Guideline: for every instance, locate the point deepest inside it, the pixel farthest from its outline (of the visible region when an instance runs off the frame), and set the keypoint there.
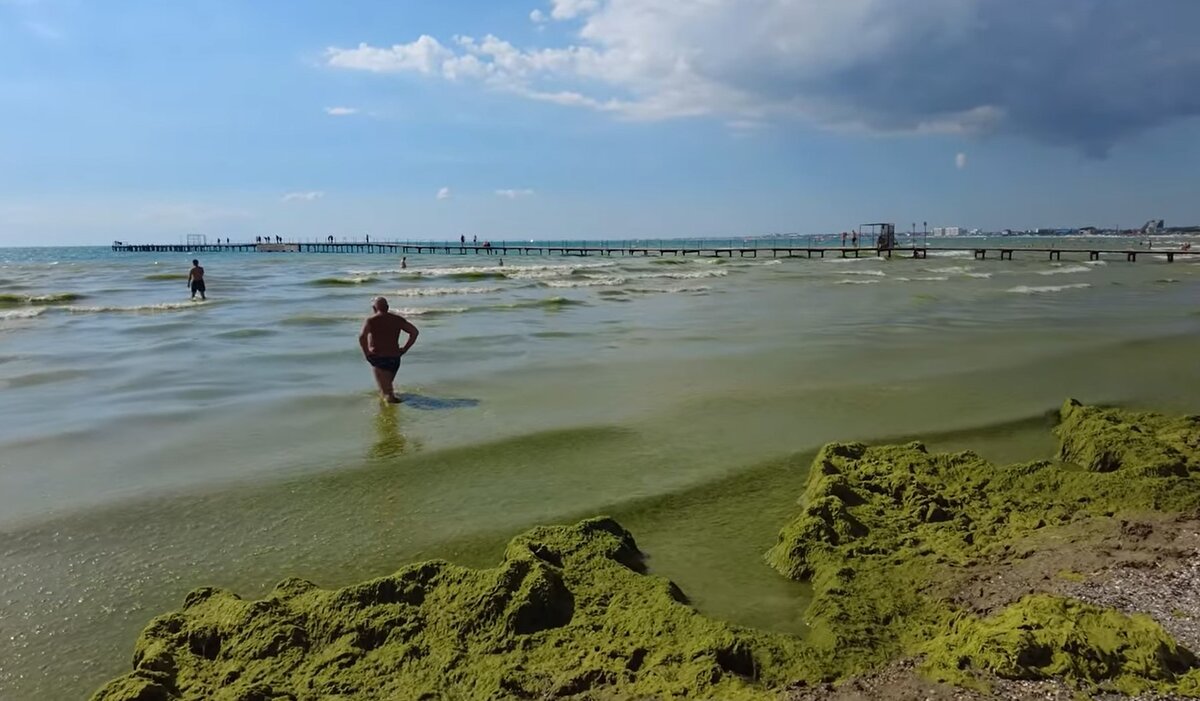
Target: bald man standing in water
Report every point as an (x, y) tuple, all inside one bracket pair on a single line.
[(380, 341)]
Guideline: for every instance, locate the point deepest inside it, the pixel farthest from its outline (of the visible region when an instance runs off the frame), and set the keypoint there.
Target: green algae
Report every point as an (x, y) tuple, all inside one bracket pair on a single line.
[(880, 526), (1042, 637), (569, 611), (1104, 440), (566, 614)]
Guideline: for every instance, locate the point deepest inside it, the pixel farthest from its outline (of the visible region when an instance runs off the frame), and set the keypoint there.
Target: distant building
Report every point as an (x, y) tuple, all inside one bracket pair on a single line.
[(1089, 231), (947, 230)]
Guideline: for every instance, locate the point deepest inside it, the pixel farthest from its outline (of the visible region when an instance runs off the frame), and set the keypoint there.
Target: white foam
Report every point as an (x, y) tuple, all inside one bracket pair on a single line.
[(443, 291), (1066, 270), (416, 311), (979, 276), (951, 270), (1033, 290), (875, 273), (138, 309), (950, 254), (1096, 262), (858, 282), (586, 282), (932, 278), (21, 313)]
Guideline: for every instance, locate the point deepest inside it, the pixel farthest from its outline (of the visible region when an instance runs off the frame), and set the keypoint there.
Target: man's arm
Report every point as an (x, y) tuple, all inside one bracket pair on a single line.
[(364, 338), (407, 327)]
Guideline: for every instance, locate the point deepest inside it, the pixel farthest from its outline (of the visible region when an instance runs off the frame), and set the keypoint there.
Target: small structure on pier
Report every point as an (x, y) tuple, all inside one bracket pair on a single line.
[(884, 234)]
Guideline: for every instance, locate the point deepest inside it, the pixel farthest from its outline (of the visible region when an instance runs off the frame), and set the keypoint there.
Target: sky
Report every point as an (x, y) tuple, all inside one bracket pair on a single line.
[(542, 119)]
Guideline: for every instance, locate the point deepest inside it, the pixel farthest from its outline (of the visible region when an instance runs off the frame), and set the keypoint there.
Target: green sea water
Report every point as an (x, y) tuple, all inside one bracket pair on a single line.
[(149, 445)]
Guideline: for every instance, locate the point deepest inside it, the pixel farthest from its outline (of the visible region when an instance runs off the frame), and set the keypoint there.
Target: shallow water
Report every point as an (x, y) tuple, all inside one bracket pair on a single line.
[(150, 445)]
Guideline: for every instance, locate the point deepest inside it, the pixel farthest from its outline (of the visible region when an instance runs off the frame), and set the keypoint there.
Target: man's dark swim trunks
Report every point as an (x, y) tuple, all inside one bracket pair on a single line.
[(387, 363), (197, 286)]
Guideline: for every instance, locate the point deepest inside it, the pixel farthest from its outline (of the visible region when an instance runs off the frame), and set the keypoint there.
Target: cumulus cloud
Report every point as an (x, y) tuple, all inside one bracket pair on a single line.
[(341, 111), (1086, 73), (514, 194), (960, 160), (303, 196), (444, 193)]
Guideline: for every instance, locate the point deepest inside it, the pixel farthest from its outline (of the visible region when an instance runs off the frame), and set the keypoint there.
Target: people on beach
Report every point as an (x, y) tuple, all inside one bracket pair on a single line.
[(843, 239), (404, 263), (196, 279), (380, 342), (854, 239), (462, 240)]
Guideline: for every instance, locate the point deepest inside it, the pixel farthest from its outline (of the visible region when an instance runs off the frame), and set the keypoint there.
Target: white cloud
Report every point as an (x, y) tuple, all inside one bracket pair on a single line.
[(303, 196), (538, 17), (444, 193), (514, 194), (947, 66), (960, 161), (425, 55), (570, 9), (341, 111)]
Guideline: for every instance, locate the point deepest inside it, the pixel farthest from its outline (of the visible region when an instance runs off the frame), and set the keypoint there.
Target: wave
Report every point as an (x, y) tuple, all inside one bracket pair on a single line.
[(246, 333), (950, 254), (858, 282), (550, 303), (165, 276), (876, 273), (21, 313), (951, 270), (1033, 290), (670, 261), (669, 290), (979, 276), (1066, 270), (439, 311), (1096, 262), (931, 278), (341, 281), (11, 300), (496, 272), (443, 291), (590, 282), (139, 309)]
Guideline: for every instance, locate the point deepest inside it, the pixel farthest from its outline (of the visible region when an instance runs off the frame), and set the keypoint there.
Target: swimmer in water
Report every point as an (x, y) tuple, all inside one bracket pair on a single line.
[(380, 342)]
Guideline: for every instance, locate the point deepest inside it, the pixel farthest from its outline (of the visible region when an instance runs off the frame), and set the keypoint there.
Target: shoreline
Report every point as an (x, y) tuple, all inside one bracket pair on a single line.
[(842, 516)]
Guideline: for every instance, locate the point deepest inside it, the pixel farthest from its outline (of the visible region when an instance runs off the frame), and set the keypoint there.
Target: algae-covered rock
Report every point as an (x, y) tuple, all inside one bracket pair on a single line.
[(1042, 637), (1103, 440), (566, 613), (880, 527)]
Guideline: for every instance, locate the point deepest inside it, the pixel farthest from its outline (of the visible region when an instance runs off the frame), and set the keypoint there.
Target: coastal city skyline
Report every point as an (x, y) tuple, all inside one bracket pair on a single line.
[(582, 119)]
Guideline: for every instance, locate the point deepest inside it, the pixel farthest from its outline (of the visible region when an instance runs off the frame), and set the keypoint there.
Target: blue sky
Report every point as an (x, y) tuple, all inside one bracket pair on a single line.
[(587, 118)]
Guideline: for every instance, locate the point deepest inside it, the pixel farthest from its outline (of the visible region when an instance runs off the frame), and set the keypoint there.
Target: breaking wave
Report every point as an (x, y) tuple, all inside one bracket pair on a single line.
[(1047, 289)]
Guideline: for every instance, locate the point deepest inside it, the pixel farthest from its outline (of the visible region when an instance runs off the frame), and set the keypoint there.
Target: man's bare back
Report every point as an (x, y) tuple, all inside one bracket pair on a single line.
[(380, 342)]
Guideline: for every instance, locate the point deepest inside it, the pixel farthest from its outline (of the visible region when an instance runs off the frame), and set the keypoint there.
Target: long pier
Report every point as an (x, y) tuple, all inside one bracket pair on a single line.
[(691, 248)]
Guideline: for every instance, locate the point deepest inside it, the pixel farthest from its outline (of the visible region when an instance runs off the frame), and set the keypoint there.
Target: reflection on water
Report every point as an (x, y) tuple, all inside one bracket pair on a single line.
[(389, 441)]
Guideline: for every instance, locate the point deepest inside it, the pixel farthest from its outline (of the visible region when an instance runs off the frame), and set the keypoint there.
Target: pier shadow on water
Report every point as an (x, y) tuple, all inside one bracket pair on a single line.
[(424, 403)]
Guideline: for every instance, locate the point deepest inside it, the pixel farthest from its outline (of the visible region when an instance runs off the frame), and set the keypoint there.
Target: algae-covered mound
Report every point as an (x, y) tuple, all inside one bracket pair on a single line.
[(566, 613), (1042, 637), (1103, 440), (880, 527)]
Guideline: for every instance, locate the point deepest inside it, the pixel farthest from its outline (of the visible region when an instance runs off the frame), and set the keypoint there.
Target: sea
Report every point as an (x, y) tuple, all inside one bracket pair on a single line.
[(151, 444)]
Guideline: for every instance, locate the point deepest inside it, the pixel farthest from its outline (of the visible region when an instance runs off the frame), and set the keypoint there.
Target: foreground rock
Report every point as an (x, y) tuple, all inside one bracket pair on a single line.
[(565, 614), (887, 533)]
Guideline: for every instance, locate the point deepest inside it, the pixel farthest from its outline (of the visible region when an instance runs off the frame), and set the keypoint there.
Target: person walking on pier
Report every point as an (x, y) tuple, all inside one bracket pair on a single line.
[(380, 342), (196, 280)]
